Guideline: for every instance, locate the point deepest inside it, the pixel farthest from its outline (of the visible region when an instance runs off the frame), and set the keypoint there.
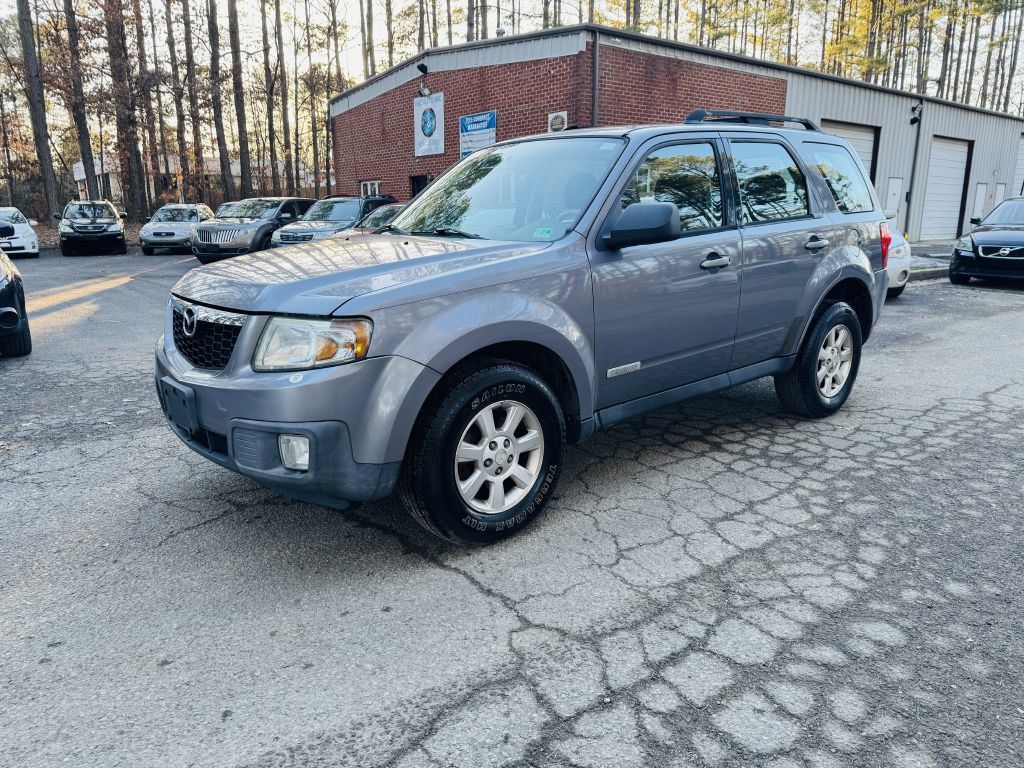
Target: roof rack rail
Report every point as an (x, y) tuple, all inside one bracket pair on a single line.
[(751, 118)]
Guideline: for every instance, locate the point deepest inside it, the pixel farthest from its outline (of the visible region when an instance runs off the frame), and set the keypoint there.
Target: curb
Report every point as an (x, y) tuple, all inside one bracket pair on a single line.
[(928, 273)]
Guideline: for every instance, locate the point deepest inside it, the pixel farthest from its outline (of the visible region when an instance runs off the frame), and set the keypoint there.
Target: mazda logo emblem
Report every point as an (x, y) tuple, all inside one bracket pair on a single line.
[(189, 321)]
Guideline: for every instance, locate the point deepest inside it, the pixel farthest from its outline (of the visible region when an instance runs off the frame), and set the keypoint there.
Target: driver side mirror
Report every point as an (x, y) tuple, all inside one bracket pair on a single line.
[(975, 220), (56, 217), (643, 223), (123, 214)]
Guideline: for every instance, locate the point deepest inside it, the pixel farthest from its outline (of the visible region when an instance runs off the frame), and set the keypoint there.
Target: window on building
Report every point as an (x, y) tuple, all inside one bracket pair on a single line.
[(367, 188), (772, 186), (685, 175), (844, 178)]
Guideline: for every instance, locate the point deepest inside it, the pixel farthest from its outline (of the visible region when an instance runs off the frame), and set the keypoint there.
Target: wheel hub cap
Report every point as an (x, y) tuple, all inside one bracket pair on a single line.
[(835, 360), (499, 457)]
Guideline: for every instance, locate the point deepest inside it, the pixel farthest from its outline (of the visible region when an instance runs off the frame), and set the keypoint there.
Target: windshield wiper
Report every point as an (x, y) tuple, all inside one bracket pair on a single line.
[(390, 228), (447, 232)]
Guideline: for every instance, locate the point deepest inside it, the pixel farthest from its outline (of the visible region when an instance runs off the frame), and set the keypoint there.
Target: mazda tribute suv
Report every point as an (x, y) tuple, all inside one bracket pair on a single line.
[(541, 289)]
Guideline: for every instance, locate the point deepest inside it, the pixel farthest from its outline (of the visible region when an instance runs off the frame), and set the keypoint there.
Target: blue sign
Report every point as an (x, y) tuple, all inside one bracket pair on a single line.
[(477, 131)]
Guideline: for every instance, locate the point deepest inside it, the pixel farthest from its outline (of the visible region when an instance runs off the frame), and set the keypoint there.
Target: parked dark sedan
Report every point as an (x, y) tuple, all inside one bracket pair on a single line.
[(15, 339), (994, 248)]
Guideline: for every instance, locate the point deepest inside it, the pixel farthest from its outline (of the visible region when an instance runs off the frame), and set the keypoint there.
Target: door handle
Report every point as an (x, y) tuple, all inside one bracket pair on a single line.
[(816, 243), (714, 261)]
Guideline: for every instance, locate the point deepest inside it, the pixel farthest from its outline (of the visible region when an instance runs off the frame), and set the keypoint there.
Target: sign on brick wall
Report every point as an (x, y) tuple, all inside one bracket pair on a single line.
[(477, 131), (428, 127)]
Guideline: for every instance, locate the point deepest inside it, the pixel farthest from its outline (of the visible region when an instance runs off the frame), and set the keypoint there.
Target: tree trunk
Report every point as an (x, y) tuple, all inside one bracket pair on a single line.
[(132, 176), (178, 92), (268, 84), (389, 28), (245, 168), (8, 164), (227, 180), (199, 179), (448, 12), (421, 7), (145, 89), (295, 95), (77, 102), (1014, 58), (471, 20), (37, 106), (313, 119), (289, 175), (371, 56), (158, 86)]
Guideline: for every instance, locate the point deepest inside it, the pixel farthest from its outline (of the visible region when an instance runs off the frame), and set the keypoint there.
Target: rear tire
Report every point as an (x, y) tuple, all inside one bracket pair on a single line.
[(826, 366), (894, 293), (486, 454), (959, 279), (20, 345)]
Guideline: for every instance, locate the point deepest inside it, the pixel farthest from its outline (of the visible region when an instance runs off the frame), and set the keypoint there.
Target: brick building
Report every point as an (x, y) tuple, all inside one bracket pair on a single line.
[(591, 75)]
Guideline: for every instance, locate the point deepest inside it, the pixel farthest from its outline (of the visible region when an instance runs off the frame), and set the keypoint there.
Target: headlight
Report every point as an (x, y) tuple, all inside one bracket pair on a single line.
[(294, 343), (965, 244), (115, 227), (65, 227), (276, 237)]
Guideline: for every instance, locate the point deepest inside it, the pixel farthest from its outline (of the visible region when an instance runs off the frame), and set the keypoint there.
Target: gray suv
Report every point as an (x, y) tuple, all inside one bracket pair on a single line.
[(246, 226), (539, 290)]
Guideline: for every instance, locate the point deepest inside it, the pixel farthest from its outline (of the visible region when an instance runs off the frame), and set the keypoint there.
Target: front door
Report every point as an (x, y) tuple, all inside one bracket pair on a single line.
[(666, 312), (784, 236)]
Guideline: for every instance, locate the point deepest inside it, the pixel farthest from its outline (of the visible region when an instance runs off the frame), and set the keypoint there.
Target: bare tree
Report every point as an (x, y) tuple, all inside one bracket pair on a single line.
[(238, 91), (199, 180), (268, 85), (289, 175), (78, 100), (178, 94), (227, 179), (37, 104)]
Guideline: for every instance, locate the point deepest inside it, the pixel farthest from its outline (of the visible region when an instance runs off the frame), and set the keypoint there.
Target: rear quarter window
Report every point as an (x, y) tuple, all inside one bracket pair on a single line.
[(843, 177)]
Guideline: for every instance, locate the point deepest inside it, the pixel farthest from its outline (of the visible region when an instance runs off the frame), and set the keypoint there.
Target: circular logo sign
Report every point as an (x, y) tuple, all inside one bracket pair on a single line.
[(428, 123), (1004, 251)]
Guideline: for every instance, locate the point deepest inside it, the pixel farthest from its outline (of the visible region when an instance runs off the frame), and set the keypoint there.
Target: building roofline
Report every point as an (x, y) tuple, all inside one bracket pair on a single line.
[(604, 31)]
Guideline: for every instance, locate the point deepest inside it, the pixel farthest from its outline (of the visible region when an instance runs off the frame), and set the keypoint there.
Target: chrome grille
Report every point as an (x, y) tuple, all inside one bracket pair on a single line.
[(217, 235), (89, 227), (295, 237), (215, 335), (995, 251)]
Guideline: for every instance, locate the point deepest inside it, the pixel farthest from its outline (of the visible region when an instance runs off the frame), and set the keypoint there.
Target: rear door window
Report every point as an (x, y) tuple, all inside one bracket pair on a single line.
[(843, 177), (772, 186)]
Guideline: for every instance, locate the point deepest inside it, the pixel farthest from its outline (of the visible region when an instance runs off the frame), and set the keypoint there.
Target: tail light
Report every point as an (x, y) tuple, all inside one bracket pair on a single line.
[(886, 239)]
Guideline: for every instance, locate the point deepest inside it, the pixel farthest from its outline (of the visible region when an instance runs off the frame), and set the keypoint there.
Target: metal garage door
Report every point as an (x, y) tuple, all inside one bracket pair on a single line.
[(1018, 177), (944, 189), (861, 138)]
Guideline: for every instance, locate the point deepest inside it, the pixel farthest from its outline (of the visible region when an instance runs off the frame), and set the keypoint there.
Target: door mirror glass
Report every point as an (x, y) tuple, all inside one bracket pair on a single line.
[(976, 220), (56, 217), (643, 223), (33, 223)]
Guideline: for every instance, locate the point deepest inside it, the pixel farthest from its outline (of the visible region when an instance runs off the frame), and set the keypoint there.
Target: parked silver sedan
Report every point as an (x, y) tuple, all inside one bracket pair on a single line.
[(171, 226)]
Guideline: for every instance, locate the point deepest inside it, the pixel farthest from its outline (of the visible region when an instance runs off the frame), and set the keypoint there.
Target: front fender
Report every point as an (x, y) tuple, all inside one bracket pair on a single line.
[(441, 332)]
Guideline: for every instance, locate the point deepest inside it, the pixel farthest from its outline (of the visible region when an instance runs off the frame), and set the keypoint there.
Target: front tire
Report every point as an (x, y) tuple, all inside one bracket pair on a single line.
[(826, 366), (486, 455), (66, 250), (147, 251)]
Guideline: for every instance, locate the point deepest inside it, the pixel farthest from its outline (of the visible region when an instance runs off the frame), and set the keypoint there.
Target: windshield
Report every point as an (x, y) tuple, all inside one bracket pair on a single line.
[(1008, 212), (175, 214), (248, 209), (533, 190), (378, 217), (89, 211), (14, 217), (343, 211)]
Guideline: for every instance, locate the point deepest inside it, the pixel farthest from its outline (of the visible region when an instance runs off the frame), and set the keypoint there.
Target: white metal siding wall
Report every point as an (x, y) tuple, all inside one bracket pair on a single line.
[(861, 138), (944, 193), (1017, 188)]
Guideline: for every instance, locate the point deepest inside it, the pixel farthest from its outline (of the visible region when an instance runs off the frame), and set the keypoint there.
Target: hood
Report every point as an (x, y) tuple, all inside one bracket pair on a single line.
[(1001, 234), (312, 226), (168, 226), (86, 220), (235, 221), (318, 277)]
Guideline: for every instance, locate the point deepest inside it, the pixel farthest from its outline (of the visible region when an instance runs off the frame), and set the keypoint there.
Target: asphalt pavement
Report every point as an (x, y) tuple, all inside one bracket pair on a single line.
[(715, 584)]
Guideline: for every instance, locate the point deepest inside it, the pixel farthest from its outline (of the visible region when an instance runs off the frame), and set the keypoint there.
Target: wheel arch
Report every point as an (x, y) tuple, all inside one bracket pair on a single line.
[(849, 286)]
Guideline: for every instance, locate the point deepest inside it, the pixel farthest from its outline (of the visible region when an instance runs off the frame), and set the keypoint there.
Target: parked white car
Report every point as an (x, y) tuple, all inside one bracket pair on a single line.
[(898, 265), (171, 226), (25, 241)]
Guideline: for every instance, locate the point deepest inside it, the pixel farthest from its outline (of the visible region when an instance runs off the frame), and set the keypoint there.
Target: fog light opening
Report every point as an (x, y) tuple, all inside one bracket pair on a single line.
[(294, 450)]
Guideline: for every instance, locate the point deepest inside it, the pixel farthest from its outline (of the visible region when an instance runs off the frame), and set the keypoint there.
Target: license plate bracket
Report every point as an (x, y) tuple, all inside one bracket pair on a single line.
[(179, 404)]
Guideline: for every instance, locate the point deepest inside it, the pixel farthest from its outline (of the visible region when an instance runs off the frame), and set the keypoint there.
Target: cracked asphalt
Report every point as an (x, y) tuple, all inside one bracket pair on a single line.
[(715, 584)]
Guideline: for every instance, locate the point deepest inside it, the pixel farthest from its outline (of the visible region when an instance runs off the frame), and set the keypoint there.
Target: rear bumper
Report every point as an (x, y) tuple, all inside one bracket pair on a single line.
[(980, 266), (878, 297)]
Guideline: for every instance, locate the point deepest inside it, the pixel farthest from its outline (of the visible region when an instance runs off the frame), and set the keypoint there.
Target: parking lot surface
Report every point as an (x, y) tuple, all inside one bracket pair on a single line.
[(715, 584)]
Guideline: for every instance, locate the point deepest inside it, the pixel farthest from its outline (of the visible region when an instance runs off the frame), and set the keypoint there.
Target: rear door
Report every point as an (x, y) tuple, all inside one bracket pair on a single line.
[(666, 312), (785, 233)]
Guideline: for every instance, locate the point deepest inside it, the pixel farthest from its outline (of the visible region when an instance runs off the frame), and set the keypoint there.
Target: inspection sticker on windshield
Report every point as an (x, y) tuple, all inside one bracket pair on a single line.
[(542, 232)]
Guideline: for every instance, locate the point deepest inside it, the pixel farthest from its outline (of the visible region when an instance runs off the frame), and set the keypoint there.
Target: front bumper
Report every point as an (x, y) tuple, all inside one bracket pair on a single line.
[(1011, 268), (16, 246), (92, 239), (357, 417), (149, 241)]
